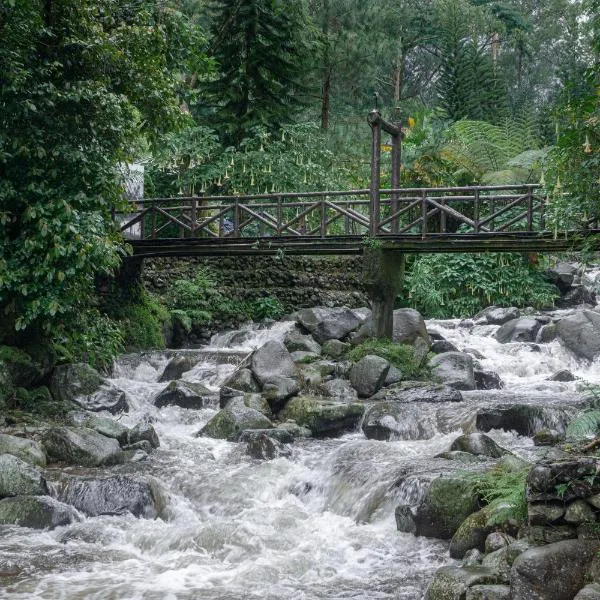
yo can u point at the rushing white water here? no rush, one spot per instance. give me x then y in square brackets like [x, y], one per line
[316, 525]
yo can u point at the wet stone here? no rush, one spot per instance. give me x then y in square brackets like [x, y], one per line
[542, 513]
[578, 512]
[405, 521]
[488, 592]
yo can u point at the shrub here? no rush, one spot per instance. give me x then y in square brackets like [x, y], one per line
[142, 323]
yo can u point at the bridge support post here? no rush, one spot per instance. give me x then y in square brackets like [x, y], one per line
[384, 276]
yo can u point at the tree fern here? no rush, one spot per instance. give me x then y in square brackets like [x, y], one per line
[584, 426]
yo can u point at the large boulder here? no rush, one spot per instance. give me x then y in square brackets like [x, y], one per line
[84, 386]
[328, 323]
[497, 315]
[478, 444]
[295, 341]
[580, 333]
[576, 296]
[322, 417]
[37, 512]
[18, 369]
[408, 392]
[562, 275]
[272, 361]
[564, 481]
[589, 592]
[185, 395]
[144, 432]
[112, 496]
[552, 572]
[18, 478]
[176, 367]
[242, 380]
[409, 326]
[453, 583]
[81, 446]
[488, 592]
[523, 329]
[449, 500]
[389, 421]
[278, 389]
[339, 390]
[265, 447]
[525, 419]
[28, 450]
[368, 375]
[454, 369]
[234, 418]
[103, 425]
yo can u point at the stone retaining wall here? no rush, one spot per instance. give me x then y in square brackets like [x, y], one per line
[296, 281]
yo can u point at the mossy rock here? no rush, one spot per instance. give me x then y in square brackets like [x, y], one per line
[229, 422]
[37, 512]
[448, 502]
[323, 418]
[18, 369]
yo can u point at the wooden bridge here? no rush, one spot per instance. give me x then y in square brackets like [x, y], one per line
[502, 218]
[411, 220]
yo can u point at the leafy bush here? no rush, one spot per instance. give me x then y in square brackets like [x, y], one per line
[460, 285]
[142, 323]
[266, 307]
[91, 337]
[400, 356]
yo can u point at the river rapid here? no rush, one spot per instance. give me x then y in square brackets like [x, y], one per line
[316, 525]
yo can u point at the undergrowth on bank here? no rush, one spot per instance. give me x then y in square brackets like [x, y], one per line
[400, 356]
[460, 285]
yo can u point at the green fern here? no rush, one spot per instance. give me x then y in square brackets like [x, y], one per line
[584, 426]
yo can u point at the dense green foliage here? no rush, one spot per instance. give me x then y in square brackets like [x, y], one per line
[81, 82]
[460, 285]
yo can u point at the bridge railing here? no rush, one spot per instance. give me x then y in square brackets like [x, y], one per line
[419, 212]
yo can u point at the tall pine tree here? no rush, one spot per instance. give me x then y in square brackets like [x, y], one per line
[261, 55]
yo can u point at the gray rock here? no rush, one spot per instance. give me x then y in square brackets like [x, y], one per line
[497, 540]
[103, 425]
[461, 457]
[30, 451]
[328, 323]
[580, 333]
[264, 447]
[478, 444]
[454, 369]
[548, 437]
[300, 356]
[144, 431]
[579, 511]
[441, 346]
[321, 417]
[112, 496]
[394, 376]
[552, 572]
[562, 275]
[285, 436]
[81, 446]
[368, 375]
[517, 548]
[576, 296]
[562, 375]
[471, 533]
[272, 361]
[563, 481]
[547, 333]
[487, 380]
[409, 326]
[82, 385]
[523, 329]
[339, 390]
[279, 389]
[497, 561]
[452, 583]
[545, 513]
[388, 421]
[297, 342]
[234, 418]
[335, 348]
[589, 592]
[37, 512]
[472, 558]
[407, 392]
[497, 315]
[488, 592]
[539, 535]
[525, 419]
[447, 503]
[176, 367]
[405, 521]
[18, 478]
[185, 395]
[242, 380]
